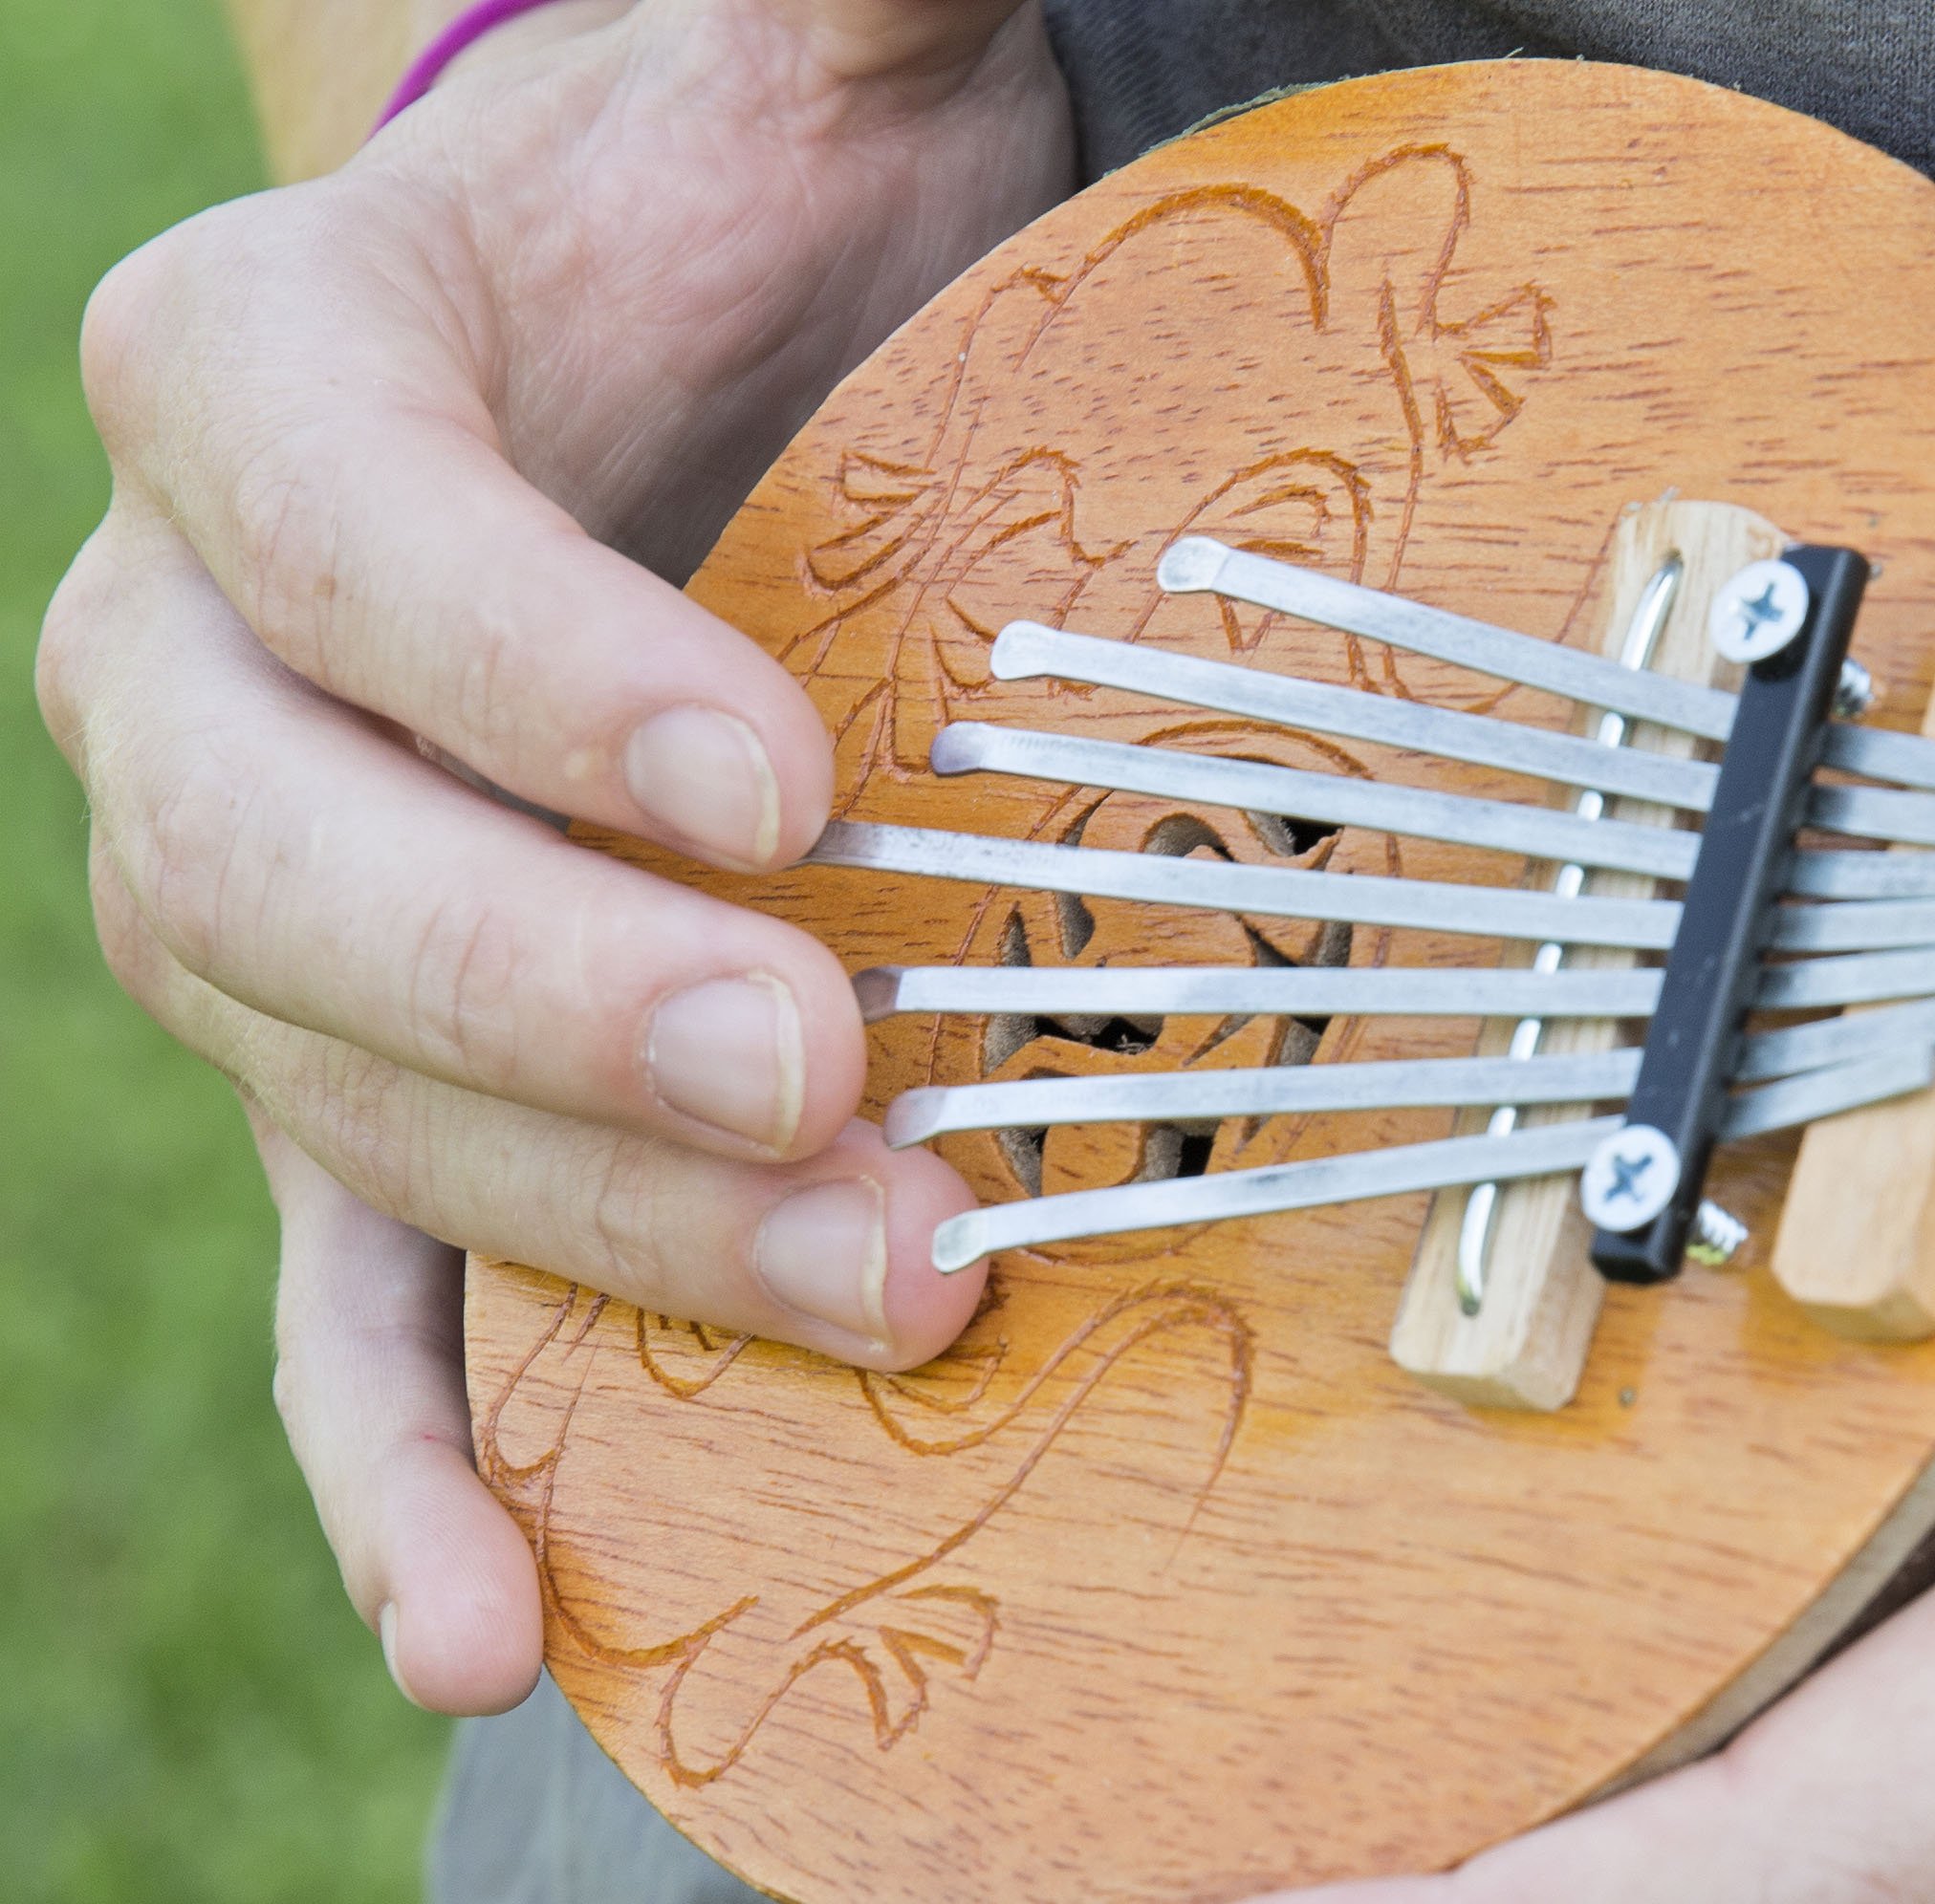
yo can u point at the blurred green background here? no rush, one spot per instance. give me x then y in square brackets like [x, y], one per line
[188, 1708]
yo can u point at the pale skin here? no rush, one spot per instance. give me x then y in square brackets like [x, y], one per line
[417, 452]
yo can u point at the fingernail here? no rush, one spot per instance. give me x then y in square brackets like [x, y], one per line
[728, 1053]
[823, 1252]
[705, 777]
[386, 1632]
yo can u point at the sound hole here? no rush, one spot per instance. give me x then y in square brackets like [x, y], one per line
[1060, 1046]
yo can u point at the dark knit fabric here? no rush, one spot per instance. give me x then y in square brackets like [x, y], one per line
[1143, 69]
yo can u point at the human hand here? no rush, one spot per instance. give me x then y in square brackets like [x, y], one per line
[1820, 1801]
[406, 453]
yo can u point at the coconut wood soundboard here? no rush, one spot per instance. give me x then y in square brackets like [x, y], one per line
[1166, 1582]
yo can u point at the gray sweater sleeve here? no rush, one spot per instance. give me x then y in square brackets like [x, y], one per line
[1142, 70]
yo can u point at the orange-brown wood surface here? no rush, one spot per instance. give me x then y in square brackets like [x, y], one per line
[1166, 1583]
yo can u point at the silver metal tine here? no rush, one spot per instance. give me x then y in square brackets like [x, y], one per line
[1245, 991]
[1826, 1093]
[1263, 1091]
[1503, 826]
[1267, 1090]
[1317, 1182]
[1906, 759]
[1269, 891]
[1862, 978]
[1307, 1185]
[1829, 874]
[1854, 925]
[1030, 650]
[1199, 564]
[1392, 991]
[1793, 1049]
[1873, 812]
[1288, 892]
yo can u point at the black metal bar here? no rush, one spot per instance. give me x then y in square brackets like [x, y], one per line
[1746, 847]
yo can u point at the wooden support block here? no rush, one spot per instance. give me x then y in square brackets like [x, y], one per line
[1856, 1246]
[1527, 1345]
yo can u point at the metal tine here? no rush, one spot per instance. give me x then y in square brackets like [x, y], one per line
[1811, 1095]
[1032, 650]
[1853, 925]
[1306, 1185]
[932, 1111]
[1870, 812]
[1028, 650]
[1199, 564]
[1392, 991]
[1906, 759]
[1873, 812]
[1861, 977]
[1288, 892]
[1316, 1182]
[1284, 891]
[1502, 825]
[1829, 872]
[1260, 1091]
[1793, 1049]
[1252, 992]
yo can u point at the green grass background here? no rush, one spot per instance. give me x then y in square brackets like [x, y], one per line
[188, 1708]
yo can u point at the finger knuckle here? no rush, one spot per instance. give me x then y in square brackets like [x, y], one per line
[361, 1119]
[116, 334]
[625, 1210]
[484, 699]
[124, 942]
[185, 861]
[288, 559]
[462, 991]
[65, 631]
[146, 330]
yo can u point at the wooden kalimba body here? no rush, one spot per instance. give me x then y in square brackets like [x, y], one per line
[1171, 1581]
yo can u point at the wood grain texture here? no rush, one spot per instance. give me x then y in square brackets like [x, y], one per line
[1166, 1583]
[1527, 1346]
[1857, 1241]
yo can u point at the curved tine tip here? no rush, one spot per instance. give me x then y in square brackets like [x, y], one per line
[1017, 654]
[957, 1243]
[913, 1117]
[878, 990]
[1191, 565]
[956, 748]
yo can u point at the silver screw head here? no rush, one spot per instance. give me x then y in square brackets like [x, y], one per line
[1758, 612]
[1631, 1179]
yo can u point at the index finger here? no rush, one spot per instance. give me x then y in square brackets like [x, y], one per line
[322, 437]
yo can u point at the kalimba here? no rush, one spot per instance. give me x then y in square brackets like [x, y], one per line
[1360, 836]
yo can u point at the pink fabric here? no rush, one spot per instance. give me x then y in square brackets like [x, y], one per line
[462, 34]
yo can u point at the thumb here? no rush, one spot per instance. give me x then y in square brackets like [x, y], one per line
[370, 1382]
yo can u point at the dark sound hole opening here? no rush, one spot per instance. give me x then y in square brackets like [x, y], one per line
[1291, 836]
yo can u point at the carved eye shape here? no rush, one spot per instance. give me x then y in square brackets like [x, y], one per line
[1017, 1046]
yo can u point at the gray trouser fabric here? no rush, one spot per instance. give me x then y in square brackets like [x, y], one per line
[535, 1813]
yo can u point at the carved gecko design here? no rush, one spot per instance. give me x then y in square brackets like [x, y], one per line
[889, 1632]
[1331, 437]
